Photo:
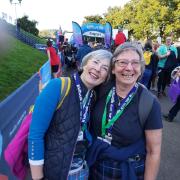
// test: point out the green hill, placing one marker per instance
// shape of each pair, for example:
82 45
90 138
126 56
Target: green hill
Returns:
18 62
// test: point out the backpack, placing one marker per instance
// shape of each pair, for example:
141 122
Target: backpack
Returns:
15 153
147 57
145 104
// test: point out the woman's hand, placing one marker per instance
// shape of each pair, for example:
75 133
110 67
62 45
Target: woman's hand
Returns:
37 172
168 53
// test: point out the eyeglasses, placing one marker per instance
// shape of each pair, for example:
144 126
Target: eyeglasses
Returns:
124 62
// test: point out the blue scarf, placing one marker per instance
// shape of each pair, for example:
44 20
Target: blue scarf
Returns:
101 150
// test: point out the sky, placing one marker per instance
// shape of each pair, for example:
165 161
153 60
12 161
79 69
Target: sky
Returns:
55 13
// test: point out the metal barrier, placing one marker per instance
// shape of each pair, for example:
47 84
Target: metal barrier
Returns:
12 112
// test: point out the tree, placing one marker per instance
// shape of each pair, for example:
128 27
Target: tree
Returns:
150 16
94 18
147 18
172 20
114 16
27 25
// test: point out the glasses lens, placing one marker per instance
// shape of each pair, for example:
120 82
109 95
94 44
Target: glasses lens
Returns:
124 63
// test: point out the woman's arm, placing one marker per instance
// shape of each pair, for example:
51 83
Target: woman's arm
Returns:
44 108
153 148
164 56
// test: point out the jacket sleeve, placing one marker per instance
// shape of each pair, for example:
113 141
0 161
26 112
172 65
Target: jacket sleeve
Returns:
44 108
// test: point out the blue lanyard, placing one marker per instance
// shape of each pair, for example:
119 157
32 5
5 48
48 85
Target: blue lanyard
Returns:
121 105
85 102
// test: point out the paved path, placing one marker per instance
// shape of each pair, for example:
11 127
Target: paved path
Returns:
170 159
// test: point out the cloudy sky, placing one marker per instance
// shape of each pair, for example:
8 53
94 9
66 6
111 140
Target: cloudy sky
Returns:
54 13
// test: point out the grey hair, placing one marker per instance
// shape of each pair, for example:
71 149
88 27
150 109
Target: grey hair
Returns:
174 72
130 46
100 54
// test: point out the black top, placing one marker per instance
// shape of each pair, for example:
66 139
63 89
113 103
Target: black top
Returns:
127 129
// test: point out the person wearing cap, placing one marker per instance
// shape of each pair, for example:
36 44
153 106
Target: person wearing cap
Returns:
120 37
58 138
123 147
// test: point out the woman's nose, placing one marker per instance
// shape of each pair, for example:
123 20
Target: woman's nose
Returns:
129 66
98 67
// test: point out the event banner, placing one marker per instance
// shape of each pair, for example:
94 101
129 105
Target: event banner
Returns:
108 35
12 112
93 30
45 73
77 34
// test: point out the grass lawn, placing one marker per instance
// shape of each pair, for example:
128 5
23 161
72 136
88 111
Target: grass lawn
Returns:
18 62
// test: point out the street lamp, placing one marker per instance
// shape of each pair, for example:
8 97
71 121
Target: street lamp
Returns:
15 3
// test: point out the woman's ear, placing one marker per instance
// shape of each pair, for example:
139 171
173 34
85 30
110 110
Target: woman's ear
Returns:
113 71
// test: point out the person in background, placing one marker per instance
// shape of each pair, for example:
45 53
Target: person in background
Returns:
123 148
152 83
176 107
151 60
82 51
155 46
120 37
172 61
54 59
65 43
58 138
166 53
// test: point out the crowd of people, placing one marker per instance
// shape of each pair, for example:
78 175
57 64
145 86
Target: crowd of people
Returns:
98 132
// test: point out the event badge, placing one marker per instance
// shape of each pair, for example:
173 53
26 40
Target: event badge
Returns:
108 137
80 136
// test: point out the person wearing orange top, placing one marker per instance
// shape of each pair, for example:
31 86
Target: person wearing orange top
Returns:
54 59
120 37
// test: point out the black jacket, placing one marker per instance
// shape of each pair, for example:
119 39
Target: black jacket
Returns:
61 137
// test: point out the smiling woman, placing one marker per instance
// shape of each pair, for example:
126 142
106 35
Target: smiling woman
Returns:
124 148
62 135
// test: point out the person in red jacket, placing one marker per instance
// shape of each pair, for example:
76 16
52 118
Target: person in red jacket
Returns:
54 59
120 37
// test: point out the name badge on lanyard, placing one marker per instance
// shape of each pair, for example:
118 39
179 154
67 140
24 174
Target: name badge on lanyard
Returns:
80 136
108 137
84 109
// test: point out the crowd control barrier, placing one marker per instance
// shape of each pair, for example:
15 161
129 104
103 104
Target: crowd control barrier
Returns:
12 112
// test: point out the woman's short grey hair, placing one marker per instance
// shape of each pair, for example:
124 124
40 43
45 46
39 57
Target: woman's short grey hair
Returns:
100 54
130 46
97 54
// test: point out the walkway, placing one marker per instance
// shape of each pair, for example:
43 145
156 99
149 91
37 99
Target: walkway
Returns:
170 160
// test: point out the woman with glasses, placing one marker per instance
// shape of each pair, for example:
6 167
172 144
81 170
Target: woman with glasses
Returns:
123 147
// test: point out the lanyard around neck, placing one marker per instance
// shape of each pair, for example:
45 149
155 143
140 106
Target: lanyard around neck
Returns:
112 118
84 102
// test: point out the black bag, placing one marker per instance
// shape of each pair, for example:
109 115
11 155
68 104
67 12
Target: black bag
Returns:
171 61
